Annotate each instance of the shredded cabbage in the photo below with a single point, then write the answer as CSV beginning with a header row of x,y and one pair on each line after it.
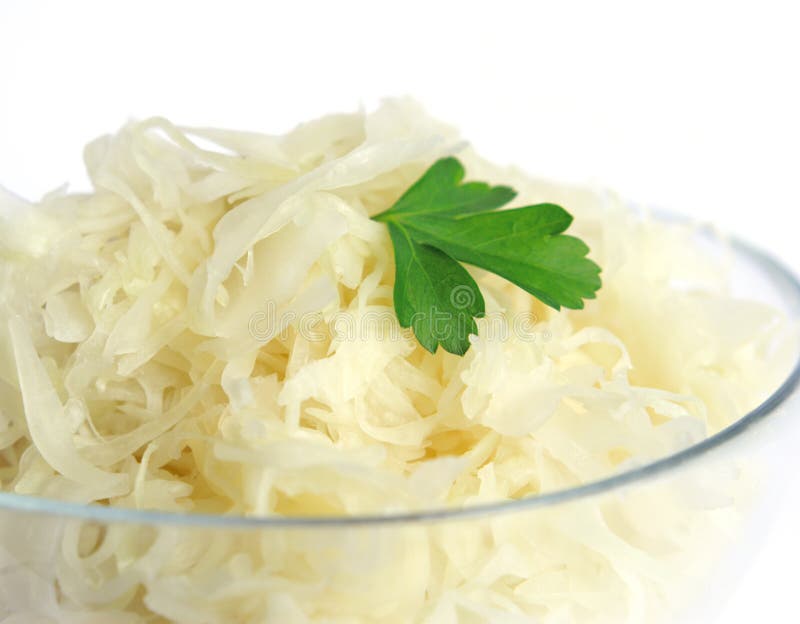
x,y
211,330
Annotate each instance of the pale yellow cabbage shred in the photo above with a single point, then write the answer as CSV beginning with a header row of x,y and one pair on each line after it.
x,y
137,371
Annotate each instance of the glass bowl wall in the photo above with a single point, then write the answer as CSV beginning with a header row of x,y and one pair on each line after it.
x,y
663,542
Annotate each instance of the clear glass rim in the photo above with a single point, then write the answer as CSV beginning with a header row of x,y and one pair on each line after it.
x,y
100,513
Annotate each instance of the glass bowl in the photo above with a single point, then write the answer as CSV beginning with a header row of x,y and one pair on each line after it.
x,y
663,542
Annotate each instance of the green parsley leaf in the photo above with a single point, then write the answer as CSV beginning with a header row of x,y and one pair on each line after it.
x,y
440,221
434,294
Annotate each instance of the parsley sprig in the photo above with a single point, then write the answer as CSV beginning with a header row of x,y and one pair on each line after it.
x,y
441,221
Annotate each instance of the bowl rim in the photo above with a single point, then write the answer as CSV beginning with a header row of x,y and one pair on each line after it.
x,y
775,269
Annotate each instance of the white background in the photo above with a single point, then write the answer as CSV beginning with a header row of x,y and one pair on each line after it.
x,y
694,107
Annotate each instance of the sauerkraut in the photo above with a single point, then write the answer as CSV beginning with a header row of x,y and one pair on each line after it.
x,y
211,330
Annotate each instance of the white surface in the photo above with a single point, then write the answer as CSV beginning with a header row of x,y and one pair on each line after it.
x,y
693,107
